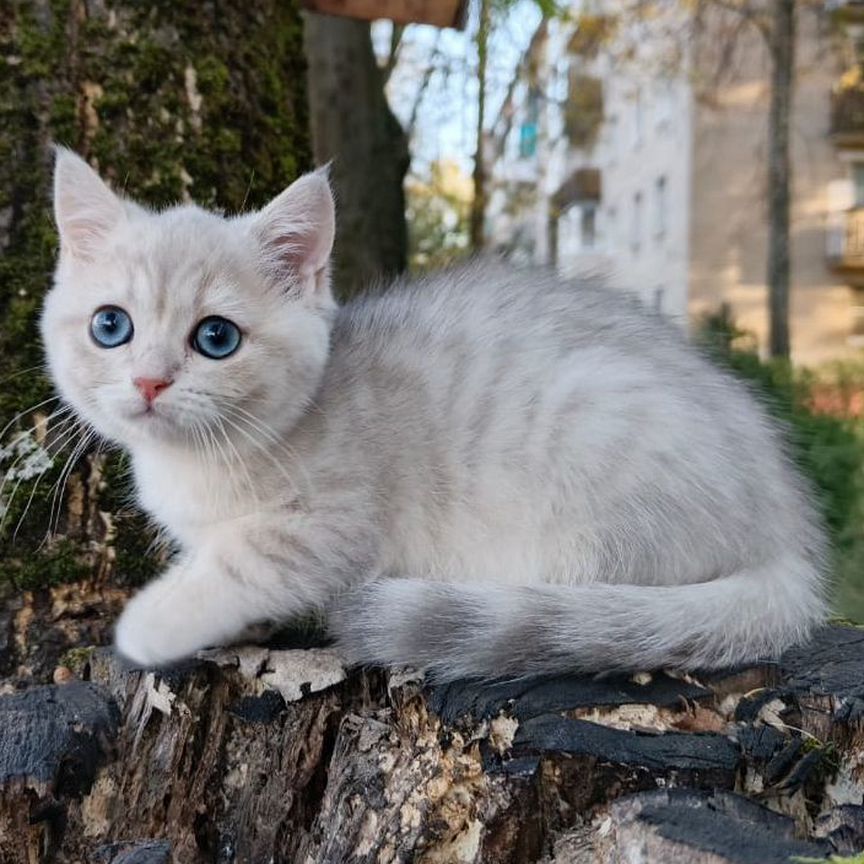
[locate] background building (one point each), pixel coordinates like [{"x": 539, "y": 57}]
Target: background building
[{"x": 640, "y": 153}]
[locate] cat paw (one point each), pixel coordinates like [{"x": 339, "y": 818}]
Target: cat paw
[{"x": 155, "y": 628}]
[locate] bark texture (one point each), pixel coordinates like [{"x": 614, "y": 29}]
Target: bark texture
[
  {"x": 779, "y": 172},
  {"x": 261, "y": 754},
  {"x": 478, "y": 204},
  {"x": 170, "y": 101},
  {"x": 355, "y": 131}
]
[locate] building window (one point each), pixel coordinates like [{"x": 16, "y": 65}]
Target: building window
[
  {"x": 528, "y": 129},
  {"x": 858, "y": 180},
  {"x": 610, "y": 226},
  {"x": 527, "y": 140},
  {"x": 636, "y": 224},
  {"x": 660, "y": 208},
  {"x": 664, "y": 103},
  {"x": 588, "y": 227},
  {"x": 583, "y": 110},
  {"x": 638, "y": 118},
  {"x": 856, "y": 334}
]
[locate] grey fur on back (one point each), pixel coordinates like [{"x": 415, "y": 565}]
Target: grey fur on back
[{"x": 616, "y": 501}]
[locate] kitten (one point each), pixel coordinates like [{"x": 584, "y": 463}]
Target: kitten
[{"x": 484, "y": 472}]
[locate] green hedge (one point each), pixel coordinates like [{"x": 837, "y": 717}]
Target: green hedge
[{"x": 829, "y": 447}]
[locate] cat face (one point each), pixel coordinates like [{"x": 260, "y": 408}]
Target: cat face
[{"x": 182, "y": 326}]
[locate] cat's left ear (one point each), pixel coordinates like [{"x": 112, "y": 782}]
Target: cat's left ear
[
  {"x": 85, "y": 209},
  {"x": 295, "y": 234}
]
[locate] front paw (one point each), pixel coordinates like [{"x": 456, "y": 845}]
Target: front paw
[{"x": 158, "y": 627}]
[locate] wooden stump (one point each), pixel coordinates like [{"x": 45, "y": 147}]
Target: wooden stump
[{"x": 257, "y": 754}]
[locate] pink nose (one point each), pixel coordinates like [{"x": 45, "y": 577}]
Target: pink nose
[{"x": 150, "y": 388}]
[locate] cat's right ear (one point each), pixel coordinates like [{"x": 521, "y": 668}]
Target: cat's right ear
[
  {"x": 85, "y": 209},
  {"x": 295, "y": 235}
]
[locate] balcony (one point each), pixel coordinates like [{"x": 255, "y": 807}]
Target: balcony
[
  {"x": 847, "y": 116},
  {"x": 845, "y": 240},
  {"x": 583, "y": 113},
  {"x": 583, "y": 186},
  {"x": 845, "y": 11}
]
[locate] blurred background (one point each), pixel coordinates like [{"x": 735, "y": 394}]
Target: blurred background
[{"x": 705, "y": 155}]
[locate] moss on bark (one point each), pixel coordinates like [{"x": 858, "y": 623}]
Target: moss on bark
[{"x": 170, "y": 101}]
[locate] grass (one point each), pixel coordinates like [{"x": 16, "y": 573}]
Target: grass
[{"x": 818, "y": 409}]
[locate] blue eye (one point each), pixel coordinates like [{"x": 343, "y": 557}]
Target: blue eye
[
  {"x": 110, "y": 327},
  {"x": 216, "y": 338}
]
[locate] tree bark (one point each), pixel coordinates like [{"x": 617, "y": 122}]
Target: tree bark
[
  {"x": 176, "y": 101},
  {"x": 779, "y": 172},
  {"x": 478, "y": 205},
  {"x": 261, "y": 754},
  {"x": 354, "y": 129}
]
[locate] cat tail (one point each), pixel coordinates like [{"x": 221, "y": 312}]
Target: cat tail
[{"x": 492, "y": 630}]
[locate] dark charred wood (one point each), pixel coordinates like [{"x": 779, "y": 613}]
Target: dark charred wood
[
  {"x": 682, "y": 825},
  {"x": 142, "y": 852},
  {"x": 532, "y": 697},
  {"x": 271, "y": 754}
]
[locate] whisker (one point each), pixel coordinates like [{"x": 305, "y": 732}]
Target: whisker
[
  {"x": 23, "y": 413},
  {"x": 65, "y": 437},
  {"x": 251, "y": 486},
  {"x": 24, "y": 454},
  {"x": 59, "y": 488},
  {"x": 271, "y": 437},
  {"x": 39, "y": 366},
  {"x": 214, "y": 453},
  {"x": 30, "y": 432},
  {"x": 61, "y": 477},
  {"x": 264, "y": 450}
]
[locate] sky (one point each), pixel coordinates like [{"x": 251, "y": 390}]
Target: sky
[{"x": 446, "y": 121}]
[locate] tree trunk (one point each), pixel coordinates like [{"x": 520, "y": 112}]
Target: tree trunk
[
  {"x": 354, "y": 129},
  {"x": 256, "y": 754},
  {"x": 779, "y": 172},
  {"x": 169, "y": 101},
  {"x": 478, "y": 205}
]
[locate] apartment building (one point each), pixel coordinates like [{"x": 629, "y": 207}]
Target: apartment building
[{"x": 643, "y": 157}]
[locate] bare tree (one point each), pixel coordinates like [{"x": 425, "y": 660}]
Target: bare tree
[
  {"x": 782, "y": 45},
  {"x": 490, "y": 12},
  {"x": 478, "y": 206},
  {"x": 776, "y": 24},
  {"x": 354, "y": 129}
]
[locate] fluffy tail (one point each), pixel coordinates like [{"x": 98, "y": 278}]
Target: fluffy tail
[{"x": 488, "y": 630}]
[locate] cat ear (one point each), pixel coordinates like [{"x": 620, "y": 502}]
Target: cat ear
[
  {"x": 295, "y": 232},
  {"x": 85, "y": 209}
]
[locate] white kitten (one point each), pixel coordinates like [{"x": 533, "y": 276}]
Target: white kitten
[{"x": 486, "y": 472}]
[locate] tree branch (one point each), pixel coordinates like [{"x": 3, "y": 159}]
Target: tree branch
[
  {"x": 428, "y": 72},
  {"x": 393, "y": 57},
  {"x": 757, "y": 17}
]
